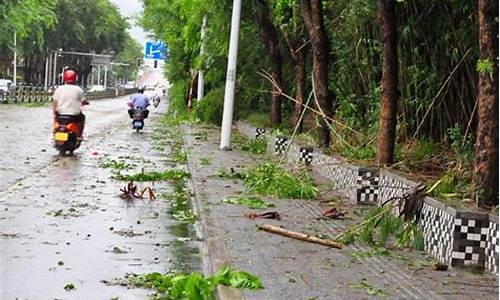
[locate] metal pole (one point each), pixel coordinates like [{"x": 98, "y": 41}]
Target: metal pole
[
  {"x": 105, "y": 76},
  {"x": 15, "y": 59},
  {"x": 54, "y": 74},
  {"x": 46, "y": 79},
  {"x": 202, "y": 52},
  {"x": 98, "y": 75},
  {"x": 227, "y": 116}
]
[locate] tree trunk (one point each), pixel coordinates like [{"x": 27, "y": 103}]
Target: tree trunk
[
  {"x": 486, "y": 159},
  {"x": 299, "y": 65},
  {"x": 269, "y": 37},
  {"x": 389, "y": 82},
  {"x": 297, "y": 45},
  {"x": 312, "y": 12}
]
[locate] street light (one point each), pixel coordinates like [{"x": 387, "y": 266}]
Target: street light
[
  {"x": 15, "y": 59},
  {"x": 227, "y": 115}
]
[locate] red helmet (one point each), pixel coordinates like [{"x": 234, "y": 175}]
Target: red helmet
[{"x": 70, "y": 76}]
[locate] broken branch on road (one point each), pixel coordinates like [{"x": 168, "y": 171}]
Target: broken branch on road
[
  {"x": 266, "y": 215},
  {"x": 130, "y": 191},
  {"x": 299, "y": 236}
]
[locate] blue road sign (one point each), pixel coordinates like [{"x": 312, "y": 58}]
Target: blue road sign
[{"x": 155, "y": 50}]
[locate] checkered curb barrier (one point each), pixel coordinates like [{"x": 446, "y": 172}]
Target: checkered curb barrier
[{"x": 455, "y": 237}]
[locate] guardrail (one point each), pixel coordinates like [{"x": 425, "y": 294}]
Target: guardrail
[
  {"x": 35, "y": 93},
  {"x": 25, "y": 93}
]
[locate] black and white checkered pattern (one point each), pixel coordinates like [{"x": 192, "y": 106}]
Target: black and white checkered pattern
[
  {"x": 469, "y": 240},
  {"x": 391, "y": 187},
  {"x": 260, "y": 132},
  {"x": 491, "y": 251},
  {"x": 306, "y": 155},
  {"x": 437, "y": 227},
  {"x": 367, "y": 185},
  {"x": 280, "y": 144}
]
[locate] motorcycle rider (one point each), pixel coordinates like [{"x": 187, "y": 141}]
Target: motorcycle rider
[
  {"x": 139, "y": 102},
  {"x": 68, "y": 99}
]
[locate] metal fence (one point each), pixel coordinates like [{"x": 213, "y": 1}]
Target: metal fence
[
  {"x": 34, "y": 93},
  {"x": 25, "y": 93}
]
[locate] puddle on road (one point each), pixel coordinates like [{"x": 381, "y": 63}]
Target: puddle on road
[{"x": 185, "y": 252}]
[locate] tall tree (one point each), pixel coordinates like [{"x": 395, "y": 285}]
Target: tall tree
[
  {"x": 486, "y": 159},
  {"x": 312, "y": 13},
  {"x": 389, "y": 82},
  {"x": 269, "y": 37},
  {"x": 288, "y": 18}
]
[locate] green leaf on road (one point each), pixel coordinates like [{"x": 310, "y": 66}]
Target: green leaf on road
[{"x": 251, "y": 202}]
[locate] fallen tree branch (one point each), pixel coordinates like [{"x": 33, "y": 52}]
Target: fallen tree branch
[{"x": 299, "y": 236}]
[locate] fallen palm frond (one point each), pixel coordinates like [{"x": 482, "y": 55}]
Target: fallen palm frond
[
  {"x": 270, "y": 179},
  {"x": 131, "y": 191},
  {"x": 383, "y": 221}
]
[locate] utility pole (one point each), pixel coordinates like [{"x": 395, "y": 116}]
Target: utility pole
[
  {"x": 15, "y": 59},
  {"x": 54, "y": 75},
  {"x": 202, "y": 52},
  {"x": 99, "y": 75},
  {"x": 105, "y": 76},
  {"x": 46, "y": 78},
  {"x": 227, "y": 116}
]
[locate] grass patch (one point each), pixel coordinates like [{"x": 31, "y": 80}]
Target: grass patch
[
  {"x": 178, "y": 156},
  {"x": 171, "y": 174},
  {"x": 185, "y": 216},
  {"x": 475, "y": 269},
  {"x": 115, "y": 165},
  {"x": 194, "y": 286},
  {"x": 205, "y": 161},
  {"x": 251, "y": 202},
  {"x": 32, "y": 104},
  {"x": 231, "y": 174},
  {"x": 270, "y": 179},
  {"x": 259, "y": 120},
  {"x": 255, "y": 146}
]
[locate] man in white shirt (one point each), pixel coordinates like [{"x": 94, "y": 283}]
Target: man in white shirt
[{"x": 68, "y": 98}]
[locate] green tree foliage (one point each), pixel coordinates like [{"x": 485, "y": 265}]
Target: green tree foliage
[{"x": 74, "y": 25}]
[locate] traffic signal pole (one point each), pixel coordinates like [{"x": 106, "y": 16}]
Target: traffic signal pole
[{"x": 227, "y": 116}]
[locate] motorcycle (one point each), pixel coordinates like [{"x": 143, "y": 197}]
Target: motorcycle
[
  {"x": 67, "y": 133},
  {"x": 138, "y": 119}
]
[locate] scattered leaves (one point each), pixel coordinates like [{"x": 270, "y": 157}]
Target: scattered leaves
[
  {"x": 251, "y": 202},
  {"x": 171, "y": 174},
  {"x": 194, "y": 286},
  {"x": 270, "y": 179},
  {"x": 369, "y": 289}
]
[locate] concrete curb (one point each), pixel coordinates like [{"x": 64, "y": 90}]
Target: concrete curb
[{"x": 214, "y": 252}]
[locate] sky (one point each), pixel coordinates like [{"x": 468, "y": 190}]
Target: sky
[{"x": 131, "y": 8}]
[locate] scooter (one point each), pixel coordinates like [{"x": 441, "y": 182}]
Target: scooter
[
  {"x": 138, "y": 120},
  {"x": 67, "y": 133}
]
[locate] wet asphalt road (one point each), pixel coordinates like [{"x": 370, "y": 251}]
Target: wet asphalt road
[{"x": 61, "y": 220}]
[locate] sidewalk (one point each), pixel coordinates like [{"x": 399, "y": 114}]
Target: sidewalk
[{"x": 292, "y": 269}]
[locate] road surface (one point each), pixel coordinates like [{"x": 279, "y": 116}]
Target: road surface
[{"x": 61, "y": 218}]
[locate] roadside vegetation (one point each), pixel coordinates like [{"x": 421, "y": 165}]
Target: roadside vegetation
[
  {"x": 409, "y": 101},
  {"x": 193, "y": 286}
]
